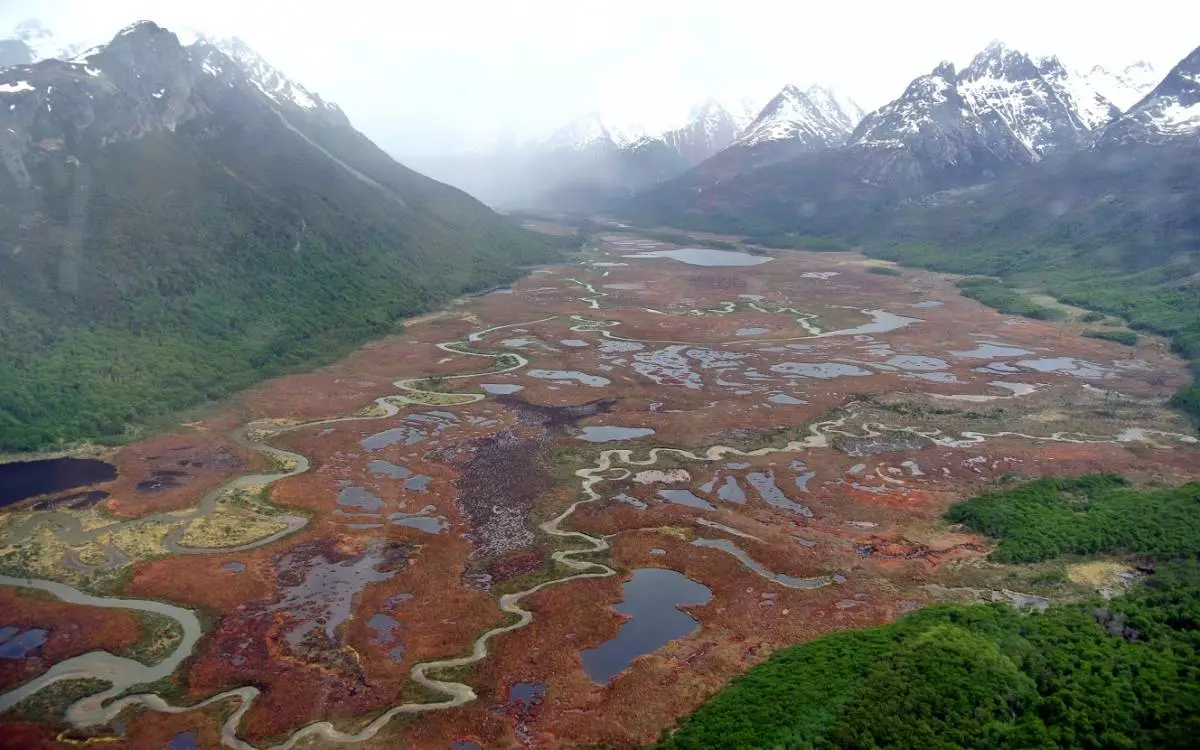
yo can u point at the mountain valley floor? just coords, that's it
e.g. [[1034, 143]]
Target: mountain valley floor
[[438, 530]]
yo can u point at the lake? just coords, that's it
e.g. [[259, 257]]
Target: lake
[[703, 256]]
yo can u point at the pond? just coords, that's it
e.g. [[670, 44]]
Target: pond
[[702, 256], [764, 482], [502, 388], [651, 598], [594, 381], [405, 435], [24, 479], [989, 350], [18, 644], [610, 433], [389, 469], [684, 497]]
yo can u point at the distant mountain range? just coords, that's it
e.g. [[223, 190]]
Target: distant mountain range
[[1004, 108], [949, 129]]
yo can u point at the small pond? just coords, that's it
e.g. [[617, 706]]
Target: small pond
[[650, 598], [610, 433], [594, 381], [502, 388], [684, 497]]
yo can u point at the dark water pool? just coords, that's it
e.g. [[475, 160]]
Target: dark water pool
[[16, 643], [184, 741], [25, 479], [651, 597]]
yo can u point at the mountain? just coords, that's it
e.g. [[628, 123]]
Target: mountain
[[710, 128], [1009, 92], [808, 119], [933, 135], [949, 130], [1001, 111], [177, 224], [1126, 87], [1169, 113], [589, 131], [791, 123]]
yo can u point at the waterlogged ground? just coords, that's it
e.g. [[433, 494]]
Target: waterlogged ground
[[562, 514]]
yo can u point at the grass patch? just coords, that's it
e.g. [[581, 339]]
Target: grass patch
[[160, 636], [885, 271], [1128, 338], [997, 295], [50, 703]]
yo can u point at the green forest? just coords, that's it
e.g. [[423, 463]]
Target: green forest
[[163, 277], [1098, 514], [1120, 674]]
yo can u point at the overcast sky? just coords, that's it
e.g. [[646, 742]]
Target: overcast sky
[[433, 76]]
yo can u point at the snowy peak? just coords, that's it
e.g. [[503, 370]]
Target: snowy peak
[[892, 125], [269, 80], [1025, 108], [1169, 113], [815, 118], [590, 132], [1125, 87], [1004, 85], [710, 128], [1001, 62]]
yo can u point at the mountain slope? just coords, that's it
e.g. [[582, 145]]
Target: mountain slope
[[173, 233]]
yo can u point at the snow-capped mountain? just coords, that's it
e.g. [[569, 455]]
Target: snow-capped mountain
[[266, 78], [590, 131], [1125, 87], [710, 128], [931, 133], [1003, 109], [41, 44], [815, 118], [1006, 89], [1169, 113]]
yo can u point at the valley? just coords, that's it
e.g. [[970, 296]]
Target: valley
[[568, 511]]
